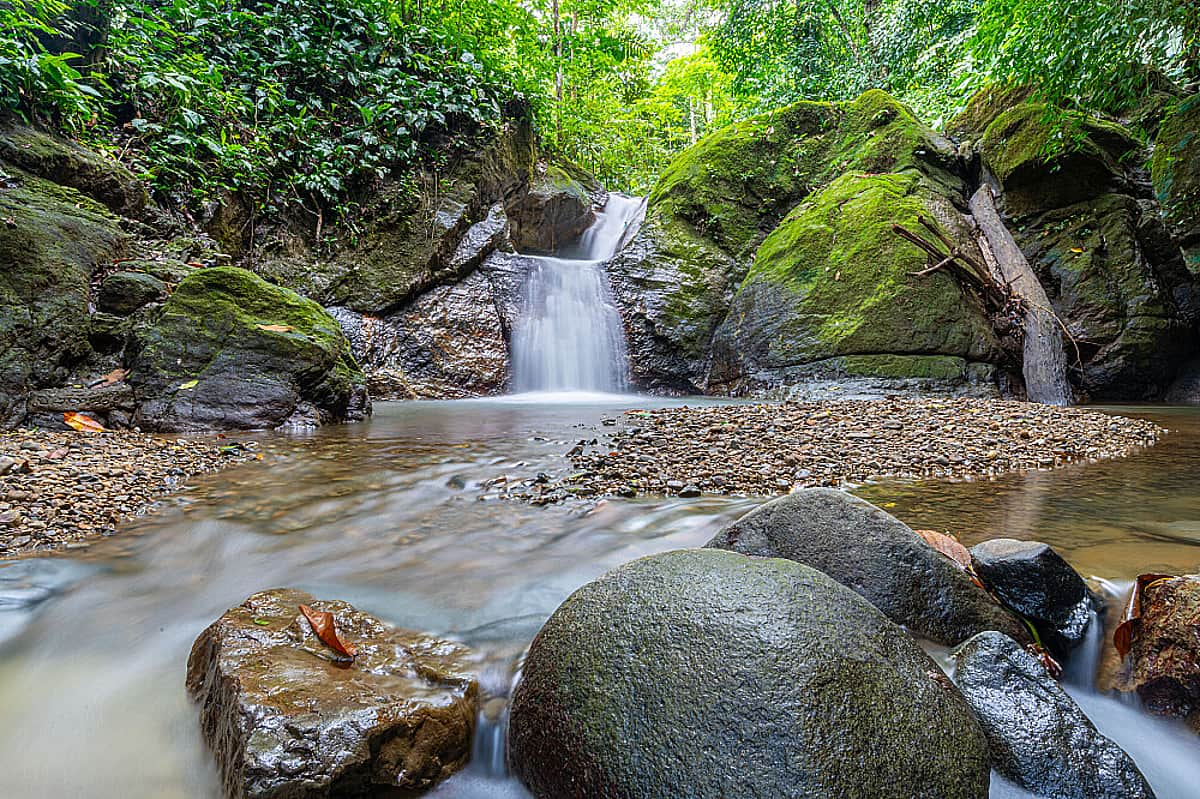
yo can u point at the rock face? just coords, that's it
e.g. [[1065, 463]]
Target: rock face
[[230, 351], [707, 674], [122, 293], [556, 209], [1095, 238], [284, 719], [1034, 580], [54, 239], [875, 555], [1175, 170], [1038, 737], [1165, 656]]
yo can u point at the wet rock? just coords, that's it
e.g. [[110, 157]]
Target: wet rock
[[1034, 580], [1186, 389], [1165, 655], [557, 208], [284, 719], [703, 673], [877, 556], [122, 293], [1038, 737], [1175, 171], [231, 351]]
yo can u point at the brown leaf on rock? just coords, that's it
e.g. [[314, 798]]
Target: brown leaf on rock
[[83, 423], [1052, 666], [276, 328], [949, 546], [325, 627], [114, 377], [1123, 635]]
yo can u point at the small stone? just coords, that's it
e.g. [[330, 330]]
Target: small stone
[[675, 485], [20, 541], [689, 491]]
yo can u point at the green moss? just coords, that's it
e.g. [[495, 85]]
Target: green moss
[[983, 108], [931, 367], [843, 280], [735, 184]]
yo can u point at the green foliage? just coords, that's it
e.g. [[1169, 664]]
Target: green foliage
[[35, 82]]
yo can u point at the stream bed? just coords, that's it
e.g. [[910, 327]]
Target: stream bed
[[387, 515]]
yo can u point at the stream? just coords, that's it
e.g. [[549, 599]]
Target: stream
[[388, 515]]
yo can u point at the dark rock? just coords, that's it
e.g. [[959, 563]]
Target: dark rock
[[122, 293], [67, 164], [702, 673], [556, 209], [1175, 171], [1186, 388], [285, 719], [100, 398], [1038, 737], [231, 351], [481, 239], [1165, 653], [1034, 580], [874, 554], [53, 240]]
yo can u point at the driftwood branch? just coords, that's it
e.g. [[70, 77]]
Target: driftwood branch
[[965, 268]]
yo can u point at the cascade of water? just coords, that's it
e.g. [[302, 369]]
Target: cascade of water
[[569, 336]]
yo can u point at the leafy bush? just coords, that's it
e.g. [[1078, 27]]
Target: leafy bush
[[35, 82]]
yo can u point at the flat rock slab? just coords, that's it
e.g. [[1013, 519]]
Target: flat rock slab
[[285, 719]]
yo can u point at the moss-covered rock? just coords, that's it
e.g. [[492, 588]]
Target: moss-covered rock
[[556, 209], [52, 238], [67, 164], [834, 280], [708, 674], [1129, 334], [1043, 161], [1175, 170], [983, 108], [123, 292], [229, 350]]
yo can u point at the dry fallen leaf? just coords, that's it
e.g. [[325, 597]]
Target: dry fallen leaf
[[82, 423], [1123, 635], [949, 546], [114, 377], [277, 328], [326, 629], [1076, 249]]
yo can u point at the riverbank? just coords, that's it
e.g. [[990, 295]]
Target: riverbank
[[60, 489], [768, 449]]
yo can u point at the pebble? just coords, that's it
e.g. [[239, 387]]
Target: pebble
[[58, 490]]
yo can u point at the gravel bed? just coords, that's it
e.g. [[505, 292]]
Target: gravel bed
[[768, 449], [60, 489]]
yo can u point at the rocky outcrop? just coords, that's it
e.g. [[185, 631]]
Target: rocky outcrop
[[704, 673], [230, 351], [1175, 171], [284, 717], [556, 209], [1034, 580], [1038, 737], [875, 555]]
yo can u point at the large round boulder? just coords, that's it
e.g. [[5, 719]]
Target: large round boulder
[[876, 555], [1039, 737], [707, 674], [231, 351]]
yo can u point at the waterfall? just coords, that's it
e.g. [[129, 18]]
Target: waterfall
[[569, 335]]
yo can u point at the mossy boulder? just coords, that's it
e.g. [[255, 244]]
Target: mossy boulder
[[1046, 160], [230, 351], [718, 200], [1124, 303], [983, 108], [834, 280], [708, 674], [556, 209], [52, 239], [68, 164], [1175, 171], [122, 293]]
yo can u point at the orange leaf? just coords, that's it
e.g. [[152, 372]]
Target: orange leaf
[[83, 423], [1052, 666], [949, 546], [114, 377], [277, 328], [326, 629], [1123, 635]]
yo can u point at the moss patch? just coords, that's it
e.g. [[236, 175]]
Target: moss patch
[[1175, 171]]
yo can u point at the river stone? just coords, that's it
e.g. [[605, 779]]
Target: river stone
[[285, 720], [706, 674], [1032, 579], [876, 555], [1165, 652], [1039, 738], [122, 293]]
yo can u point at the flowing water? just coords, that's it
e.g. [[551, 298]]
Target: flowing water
[[388, 515], [569, 336]]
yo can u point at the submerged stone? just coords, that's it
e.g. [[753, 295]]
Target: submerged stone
[[707, 674], [877, 556], [1039, 738], [285, 719]]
